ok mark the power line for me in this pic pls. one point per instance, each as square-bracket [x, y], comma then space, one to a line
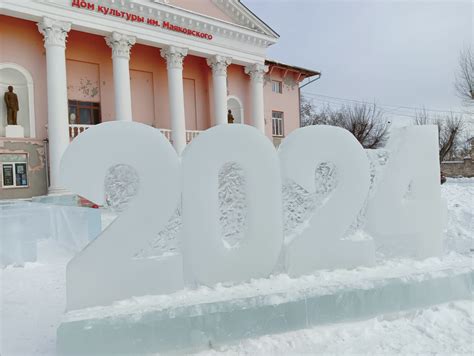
[381, 105]
[340, 104]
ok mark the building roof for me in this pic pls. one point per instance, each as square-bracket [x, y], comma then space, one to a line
[307, 73]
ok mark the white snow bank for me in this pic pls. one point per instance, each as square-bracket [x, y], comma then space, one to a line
[32, 302]
[459, 194]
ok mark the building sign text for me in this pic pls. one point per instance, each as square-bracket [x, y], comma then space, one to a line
[107, 11]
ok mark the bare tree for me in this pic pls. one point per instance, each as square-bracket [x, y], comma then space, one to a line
[464, 83]
[366, 122]
[450, 132]
[307, 111]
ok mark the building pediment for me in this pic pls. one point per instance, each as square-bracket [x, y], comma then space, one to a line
[233, 11]
[244, 26]
[244, 17]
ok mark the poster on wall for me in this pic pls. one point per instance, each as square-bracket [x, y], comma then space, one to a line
[21, 179]
[7, 175]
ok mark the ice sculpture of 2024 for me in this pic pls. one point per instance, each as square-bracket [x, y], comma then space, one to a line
[404, 210]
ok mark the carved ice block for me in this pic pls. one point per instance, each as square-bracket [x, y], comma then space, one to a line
[189, 321]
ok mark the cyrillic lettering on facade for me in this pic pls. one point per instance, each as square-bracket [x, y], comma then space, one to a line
[103, 9]
[81, 4]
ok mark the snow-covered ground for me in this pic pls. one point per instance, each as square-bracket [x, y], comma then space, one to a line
[459, 194]
[32, 302]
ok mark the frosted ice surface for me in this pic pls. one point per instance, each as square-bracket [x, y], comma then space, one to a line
[214, 212]
[319, 243]
[232, 203]
[299, 204]
[166, 242]
[405, 214]
[121, 185]
[232, 218]
[377, 160]
[152, 200]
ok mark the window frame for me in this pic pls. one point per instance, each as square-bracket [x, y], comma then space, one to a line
[280, 86]
[89, 105]
[280, 120]
[14, 168]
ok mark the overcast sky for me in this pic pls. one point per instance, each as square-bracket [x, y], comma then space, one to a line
[401, 53]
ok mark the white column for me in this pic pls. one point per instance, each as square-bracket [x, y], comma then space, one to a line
[257, 72]
[174, 58]
[121, 45]
[55, 33]
[219, 66]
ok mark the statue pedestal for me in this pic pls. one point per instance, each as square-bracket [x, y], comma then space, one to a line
[15, 131]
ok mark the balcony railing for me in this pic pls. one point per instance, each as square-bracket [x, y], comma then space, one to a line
[190, 134]
[167, 134]
[75, 129]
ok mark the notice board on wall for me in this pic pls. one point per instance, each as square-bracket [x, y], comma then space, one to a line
[7, 172]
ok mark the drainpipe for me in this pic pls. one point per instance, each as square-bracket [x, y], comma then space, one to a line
[46, 161]
[301, 87]
[311, 81]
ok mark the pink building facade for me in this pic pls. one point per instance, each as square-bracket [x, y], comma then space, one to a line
[176, 65]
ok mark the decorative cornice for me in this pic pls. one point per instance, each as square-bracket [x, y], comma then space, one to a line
[54, 31]
[162, 10]
[256, 71]
[242, 16]
[219, 65]
[174, 56]
[120, 44]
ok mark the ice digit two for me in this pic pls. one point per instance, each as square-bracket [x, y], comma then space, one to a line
[320, 245]
[107, 270]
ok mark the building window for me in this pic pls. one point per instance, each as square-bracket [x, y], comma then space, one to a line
[277, 123]
[277, 86]
[84, 113]
[14, 175]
